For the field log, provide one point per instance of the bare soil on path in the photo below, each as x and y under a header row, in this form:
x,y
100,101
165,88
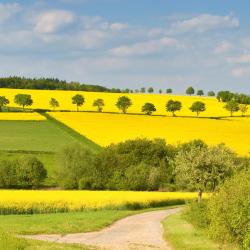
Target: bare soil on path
x,y
137,232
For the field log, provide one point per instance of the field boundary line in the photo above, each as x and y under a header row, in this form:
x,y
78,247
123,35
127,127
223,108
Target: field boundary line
x,y
89,143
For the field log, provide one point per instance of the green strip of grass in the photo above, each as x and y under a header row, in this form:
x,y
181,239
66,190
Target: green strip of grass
x,y
63,223
87,142
9,242
182,235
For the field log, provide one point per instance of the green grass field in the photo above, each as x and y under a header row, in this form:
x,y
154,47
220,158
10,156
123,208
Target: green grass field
x,y
33,136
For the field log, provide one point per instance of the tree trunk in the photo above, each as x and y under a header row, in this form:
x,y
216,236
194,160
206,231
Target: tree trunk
x,y
23,107
199,196
77,108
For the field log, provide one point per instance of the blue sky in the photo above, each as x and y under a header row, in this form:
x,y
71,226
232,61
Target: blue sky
x,y
129,43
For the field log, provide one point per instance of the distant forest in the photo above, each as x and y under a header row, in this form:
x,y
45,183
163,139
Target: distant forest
x,y
50,84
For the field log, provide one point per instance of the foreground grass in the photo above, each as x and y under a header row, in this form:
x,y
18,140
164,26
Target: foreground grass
x,y
182,235
62,222
9,242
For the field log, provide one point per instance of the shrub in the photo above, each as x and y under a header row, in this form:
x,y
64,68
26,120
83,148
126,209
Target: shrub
x,y
196,213
137,177
75,163
7,174
29,171
116,163
229,211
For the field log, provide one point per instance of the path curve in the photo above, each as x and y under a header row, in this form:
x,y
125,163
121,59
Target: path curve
x,y
138,232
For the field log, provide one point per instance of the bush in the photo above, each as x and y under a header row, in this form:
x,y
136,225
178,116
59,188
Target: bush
x,y
22,172
29,171
139,164
229,211
7,174
75,163
196,213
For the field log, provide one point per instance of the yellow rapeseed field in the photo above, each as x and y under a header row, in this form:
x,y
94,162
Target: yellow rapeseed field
x,y
20,116
41,100
112,128
34,201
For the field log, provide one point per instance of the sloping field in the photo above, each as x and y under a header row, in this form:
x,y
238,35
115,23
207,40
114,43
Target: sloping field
x,y
21,116
41,100
112,128
33,136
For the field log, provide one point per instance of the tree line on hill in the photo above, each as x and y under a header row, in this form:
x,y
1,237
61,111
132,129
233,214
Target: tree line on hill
x,y
124,102
56,84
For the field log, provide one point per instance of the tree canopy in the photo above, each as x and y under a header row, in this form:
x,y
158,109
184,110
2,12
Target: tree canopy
x,y
173,106
148,108
78,100
123,103
23,100
198,107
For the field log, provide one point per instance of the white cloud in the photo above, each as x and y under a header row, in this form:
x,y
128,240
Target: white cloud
x,y
51,21
239,59
94,22
97,22
91,38
118,26
8,10
241,72
144,48
223,47
204,23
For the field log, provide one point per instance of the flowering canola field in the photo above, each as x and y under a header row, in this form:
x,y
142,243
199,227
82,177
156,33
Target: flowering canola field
x,y
113,128
34,201
20,116
41,100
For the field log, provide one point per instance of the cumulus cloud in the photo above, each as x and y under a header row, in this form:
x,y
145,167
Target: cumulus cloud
x,y
97,22
8,10
51,21
145,48
204,23
118,26
91,38
223,47
241,72
239,59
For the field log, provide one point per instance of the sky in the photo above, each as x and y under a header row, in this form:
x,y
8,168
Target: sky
x,y
129,43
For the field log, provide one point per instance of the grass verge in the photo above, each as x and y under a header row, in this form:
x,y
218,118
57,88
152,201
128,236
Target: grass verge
x,y
63,223
9,242
182,235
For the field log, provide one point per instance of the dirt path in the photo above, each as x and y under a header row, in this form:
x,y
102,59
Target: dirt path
x,y
141,232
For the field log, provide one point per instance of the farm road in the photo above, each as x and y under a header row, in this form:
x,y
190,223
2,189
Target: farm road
x,y
137,232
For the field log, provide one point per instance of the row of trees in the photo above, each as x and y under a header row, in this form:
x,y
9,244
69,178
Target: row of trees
x,y
226,96
124,102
